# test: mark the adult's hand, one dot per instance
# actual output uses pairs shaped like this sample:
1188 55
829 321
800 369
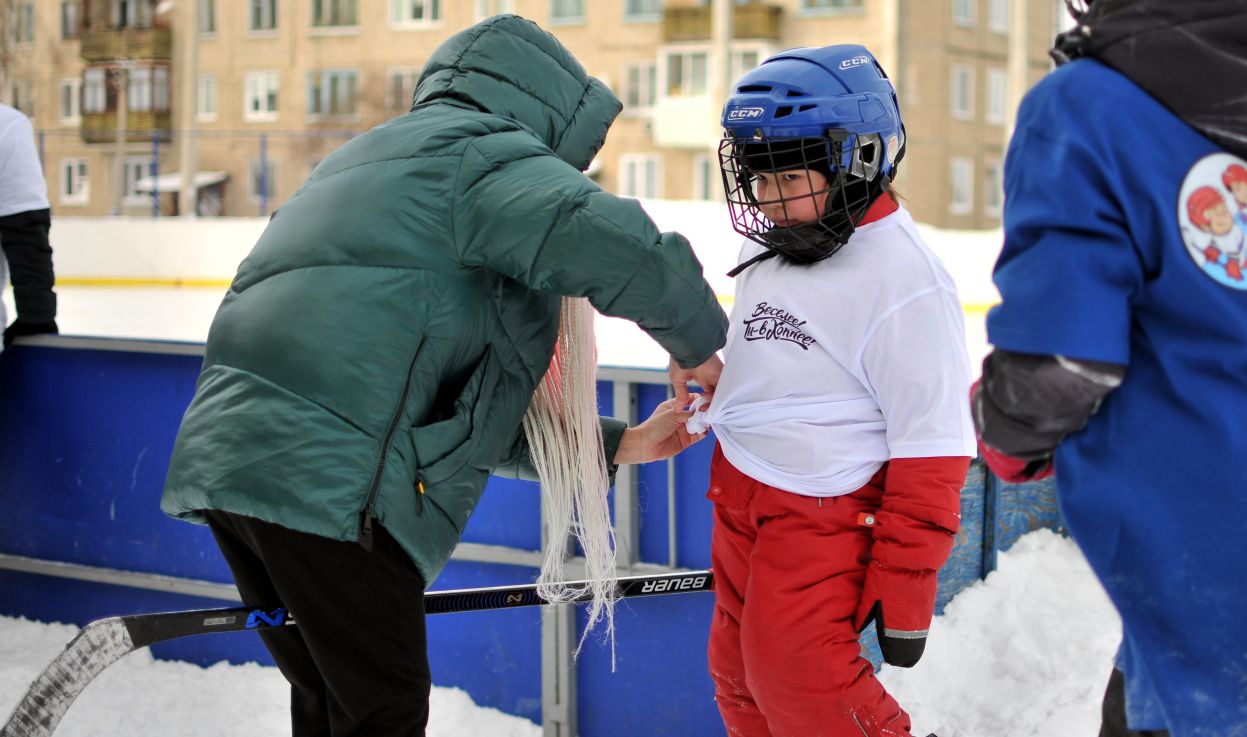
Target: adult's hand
706 375
659 437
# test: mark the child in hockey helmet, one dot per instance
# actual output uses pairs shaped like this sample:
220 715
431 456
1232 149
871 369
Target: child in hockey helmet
812 138
842 433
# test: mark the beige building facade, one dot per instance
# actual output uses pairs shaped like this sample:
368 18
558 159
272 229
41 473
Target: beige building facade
277 84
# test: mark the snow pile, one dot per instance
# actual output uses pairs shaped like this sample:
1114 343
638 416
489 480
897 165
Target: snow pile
143 697
1025 653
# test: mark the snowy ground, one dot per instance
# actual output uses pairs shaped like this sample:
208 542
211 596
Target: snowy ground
1024 653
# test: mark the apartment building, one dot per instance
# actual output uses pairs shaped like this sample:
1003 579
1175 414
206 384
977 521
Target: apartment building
277 84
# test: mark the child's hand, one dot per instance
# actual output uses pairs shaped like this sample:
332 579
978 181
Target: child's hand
661 436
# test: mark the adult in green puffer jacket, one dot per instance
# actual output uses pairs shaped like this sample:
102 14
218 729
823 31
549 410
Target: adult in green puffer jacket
374 357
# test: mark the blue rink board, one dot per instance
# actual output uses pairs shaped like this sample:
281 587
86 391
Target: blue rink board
87 433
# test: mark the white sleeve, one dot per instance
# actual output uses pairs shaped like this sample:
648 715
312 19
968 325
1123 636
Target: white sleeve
22 187
916 366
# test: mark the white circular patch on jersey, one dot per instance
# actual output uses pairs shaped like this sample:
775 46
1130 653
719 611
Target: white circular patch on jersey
1212 213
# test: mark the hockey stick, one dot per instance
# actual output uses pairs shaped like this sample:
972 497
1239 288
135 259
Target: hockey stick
105 641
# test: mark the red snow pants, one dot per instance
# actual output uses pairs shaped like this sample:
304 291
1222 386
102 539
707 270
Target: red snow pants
788 576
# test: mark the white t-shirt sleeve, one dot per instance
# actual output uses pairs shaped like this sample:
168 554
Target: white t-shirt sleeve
22 187
917 368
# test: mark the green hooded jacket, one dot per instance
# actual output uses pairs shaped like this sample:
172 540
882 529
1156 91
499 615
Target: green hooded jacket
390 325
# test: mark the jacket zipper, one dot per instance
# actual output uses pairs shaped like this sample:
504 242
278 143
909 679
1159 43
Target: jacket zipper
365 516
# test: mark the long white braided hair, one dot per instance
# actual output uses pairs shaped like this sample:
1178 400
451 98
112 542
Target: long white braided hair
565 444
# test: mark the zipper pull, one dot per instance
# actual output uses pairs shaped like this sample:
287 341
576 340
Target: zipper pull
419 496
365 530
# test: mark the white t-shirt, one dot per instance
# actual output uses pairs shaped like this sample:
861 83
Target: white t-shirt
22 187
832 369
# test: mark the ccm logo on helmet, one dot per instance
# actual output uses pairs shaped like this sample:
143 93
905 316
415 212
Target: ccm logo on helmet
673 584
856 61
745 113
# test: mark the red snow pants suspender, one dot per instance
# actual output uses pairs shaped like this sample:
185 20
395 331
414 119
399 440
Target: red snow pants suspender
789 571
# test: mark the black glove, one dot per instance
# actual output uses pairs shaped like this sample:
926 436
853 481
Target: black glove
20 328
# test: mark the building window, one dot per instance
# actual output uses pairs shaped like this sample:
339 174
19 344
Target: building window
993 190
706 181
643 9
94 90
207 105
71 19
487 8
567 11
744 61
263 15
642 85
20 23
139 90
132 13
75 187
961 181
160 89
963 12
997 95
640 175
22 96
137 167
400 88
415 13
71 100
963 92
148 89
260 96
830 5
262 179
332 93
207 16
333 13
998 15
686 73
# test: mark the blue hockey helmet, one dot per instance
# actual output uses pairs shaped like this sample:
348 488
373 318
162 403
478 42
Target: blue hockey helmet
829 110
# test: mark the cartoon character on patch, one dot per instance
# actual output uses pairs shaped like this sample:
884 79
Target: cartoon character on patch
1235 180
1215 236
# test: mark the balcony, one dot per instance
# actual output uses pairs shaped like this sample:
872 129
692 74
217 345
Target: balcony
127 43
693 23
102 127
690 123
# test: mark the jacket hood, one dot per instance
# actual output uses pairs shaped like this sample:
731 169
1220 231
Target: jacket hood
1190 56
510 67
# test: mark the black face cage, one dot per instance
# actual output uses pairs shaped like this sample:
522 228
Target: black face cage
848 194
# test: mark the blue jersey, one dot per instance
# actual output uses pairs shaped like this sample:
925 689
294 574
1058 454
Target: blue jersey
1121 245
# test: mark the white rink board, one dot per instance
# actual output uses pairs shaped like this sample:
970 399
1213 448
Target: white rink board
115 275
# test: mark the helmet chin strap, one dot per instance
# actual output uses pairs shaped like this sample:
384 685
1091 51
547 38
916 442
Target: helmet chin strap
810 243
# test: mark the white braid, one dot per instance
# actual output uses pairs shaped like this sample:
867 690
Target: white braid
565 444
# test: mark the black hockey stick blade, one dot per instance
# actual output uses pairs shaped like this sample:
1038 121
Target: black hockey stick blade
105 641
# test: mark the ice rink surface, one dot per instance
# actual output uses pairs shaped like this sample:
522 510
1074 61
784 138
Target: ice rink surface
184 313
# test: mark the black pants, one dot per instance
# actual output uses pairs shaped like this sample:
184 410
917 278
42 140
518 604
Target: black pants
1114 711
357 658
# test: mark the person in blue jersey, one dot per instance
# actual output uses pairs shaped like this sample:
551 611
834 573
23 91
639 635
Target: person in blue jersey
1120 344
